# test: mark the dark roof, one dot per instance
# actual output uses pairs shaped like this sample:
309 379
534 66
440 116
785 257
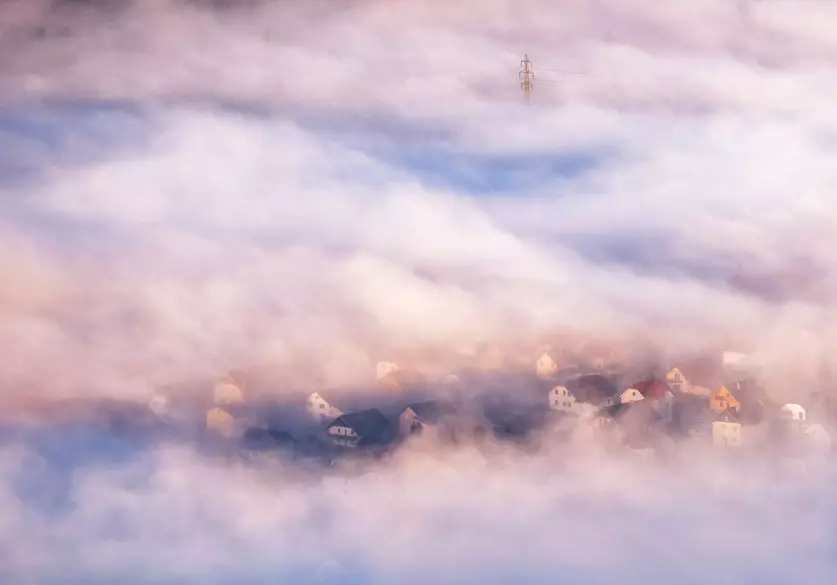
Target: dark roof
632 413
747 390
265 439
431 411
369 424
515 421
591 388
652 388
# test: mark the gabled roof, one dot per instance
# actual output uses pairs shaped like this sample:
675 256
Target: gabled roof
652 388
368 424
591 388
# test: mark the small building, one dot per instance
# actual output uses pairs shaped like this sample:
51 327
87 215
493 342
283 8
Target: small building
726 429
320 409
361 428
630 394
545 366
430 414
792 412
721 399
583 395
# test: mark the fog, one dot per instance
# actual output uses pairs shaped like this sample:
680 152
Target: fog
190 187
168 515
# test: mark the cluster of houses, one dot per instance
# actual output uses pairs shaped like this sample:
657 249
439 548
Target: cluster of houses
706 401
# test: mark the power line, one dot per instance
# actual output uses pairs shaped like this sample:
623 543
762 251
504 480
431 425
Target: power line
562 71
527 77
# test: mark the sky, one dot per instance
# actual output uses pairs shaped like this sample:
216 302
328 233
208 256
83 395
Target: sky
189 187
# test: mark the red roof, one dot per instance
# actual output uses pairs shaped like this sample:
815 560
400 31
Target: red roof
652 388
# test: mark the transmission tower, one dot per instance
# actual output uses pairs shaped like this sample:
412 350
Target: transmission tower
527 77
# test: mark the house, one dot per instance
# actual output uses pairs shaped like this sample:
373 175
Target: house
630 394
791 412
419 416
726 429
320 410
545 366
658 393
583 395
722 399
361 428
228 390
600 356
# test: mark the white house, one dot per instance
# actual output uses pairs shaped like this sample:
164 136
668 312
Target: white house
630 395
792 412
545 366
363 427
582 396
320 409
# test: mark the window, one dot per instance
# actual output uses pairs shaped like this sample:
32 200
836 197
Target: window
677 377
633 393
322 406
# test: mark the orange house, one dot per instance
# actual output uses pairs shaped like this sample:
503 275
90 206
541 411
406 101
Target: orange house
721 399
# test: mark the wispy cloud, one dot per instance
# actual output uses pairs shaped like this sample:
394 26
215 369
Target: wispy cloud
187 188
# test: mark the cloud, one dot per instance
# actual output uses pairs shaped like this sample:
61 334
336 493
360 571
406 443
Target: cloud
190 188
172 515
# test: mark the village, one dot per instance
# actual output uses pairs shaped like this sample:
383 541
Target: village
590 401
